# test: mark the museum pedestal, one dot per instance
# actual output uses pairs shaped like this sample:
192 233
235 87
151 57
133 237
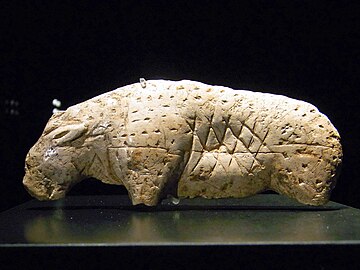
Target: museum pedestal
266 230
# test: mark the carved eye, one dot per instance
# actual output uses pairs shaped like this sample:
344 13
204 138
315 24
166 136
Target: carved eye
67 133
61 134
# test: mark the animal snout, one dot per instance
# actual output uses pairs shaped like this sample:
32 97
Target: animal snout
37 189
30 188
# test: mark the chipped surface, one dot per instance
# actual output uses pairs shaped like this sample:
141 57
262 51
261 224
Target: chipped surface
188 139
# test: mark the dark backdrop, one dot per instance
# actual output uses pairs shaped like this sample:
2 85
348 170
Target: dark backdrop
74 50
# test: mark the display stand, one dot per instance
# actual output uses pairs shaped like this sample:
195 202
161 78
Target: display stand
265 230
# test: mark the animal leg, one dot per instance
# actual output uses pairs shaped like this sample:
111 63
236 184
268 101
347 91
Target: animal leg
150 172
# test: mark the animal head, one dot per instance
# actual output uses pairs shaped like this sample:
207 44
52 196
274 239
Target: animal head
51 164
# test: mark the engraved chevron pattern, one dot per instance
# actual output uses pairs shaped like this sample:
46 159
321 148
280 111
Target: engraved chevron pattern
218 135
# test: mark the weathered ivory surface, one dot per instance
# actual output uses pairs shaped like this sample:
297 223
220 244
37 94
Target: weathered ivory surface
187 139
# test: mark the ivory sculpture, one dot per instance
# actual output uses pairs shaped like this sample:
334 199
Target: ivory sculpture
187 139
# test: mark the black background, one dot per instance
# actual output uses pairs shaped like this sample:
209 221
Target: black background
74 50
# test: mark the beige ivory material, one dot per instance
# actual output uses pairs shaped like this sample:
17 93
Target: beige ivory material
187 139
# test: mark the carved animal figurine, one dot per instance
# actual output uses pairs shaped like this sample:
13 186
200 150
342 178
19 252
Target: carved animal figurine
187 139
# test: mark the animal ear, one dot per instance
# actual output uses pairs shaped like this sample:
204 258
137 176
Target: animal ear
53 123
65 134
57 114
